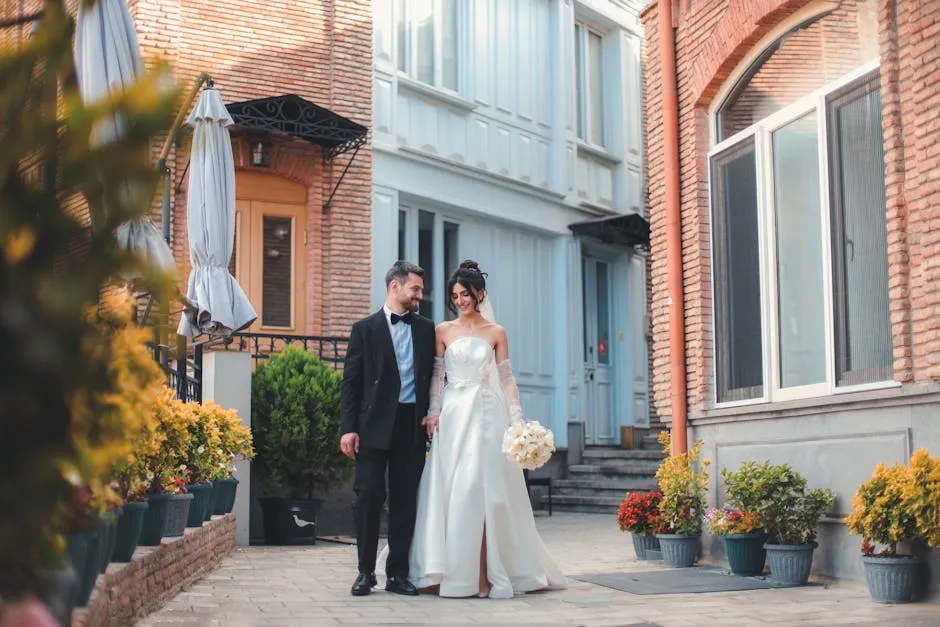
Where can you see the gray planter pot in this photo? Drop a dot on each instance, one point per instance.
(644, 542)
(678, 551)
(790, 564)
(892, 579)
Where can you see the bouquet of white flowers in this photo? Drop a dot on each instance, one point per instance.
(529, 444)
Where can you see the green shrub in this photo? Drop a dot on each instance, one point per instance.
(777, 495)
(295, 417)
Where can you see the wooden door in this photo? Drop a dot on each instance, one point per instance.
(270, 252)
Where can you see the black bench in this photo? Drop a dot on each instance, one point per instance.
(546, 481)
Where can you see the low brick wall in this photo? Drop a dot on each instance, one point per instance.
(128, 592)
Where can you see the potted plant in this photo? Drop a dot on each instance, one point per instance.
(167, 499)
(924, 500)
(235, 441)
(744, 538)
(683, 480)
(201, 458)
(749, 490)
(639, 515)
(295, 399)
(885, 513)
(791, 513)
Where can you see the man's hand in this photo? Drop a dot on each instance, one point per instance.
(430, 424)
(349, 445)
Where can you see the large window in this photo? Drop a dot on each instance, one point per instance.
(427, 40)
(589, 68)
(799, 238)
(432, 241)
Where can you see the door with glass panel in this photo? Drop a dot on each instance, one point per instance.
(598, 362)
(430, 239)
(270, 265)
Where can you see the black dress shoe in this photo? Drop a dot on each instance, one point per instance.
(364, 584)
(400, 585)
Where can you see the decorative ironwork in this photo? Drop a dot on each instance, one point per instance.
(296, 116)
(260, 346)
(623, 230)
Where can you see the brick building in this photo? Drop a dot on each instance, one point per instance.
(291, 247)
(311, 65)
(808, 177)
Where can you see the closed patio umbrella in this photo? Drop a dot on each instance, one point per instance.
(221, 306)
(107, 60)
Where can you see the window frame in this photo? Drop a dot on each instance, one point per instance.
(584, 100)
(762, 132)
(407, 67)
(438, 270)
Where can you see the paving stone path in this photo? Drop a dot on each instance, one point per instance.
(275, 587)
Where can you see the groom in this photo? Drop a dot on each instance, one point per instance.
(386, 382)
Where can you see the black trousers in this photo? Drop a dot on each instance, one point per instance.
(404, 461)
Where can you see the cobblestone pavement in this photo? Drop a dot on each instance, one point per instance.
(310, 587)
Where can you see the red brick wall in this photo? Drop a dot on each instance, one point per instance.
(128, 592)
(321, 51)
(711, 39)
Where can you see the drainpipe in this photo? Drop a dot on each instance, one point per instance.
(670, 109)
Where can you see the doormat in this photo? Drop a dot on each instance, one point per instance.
(678, 581)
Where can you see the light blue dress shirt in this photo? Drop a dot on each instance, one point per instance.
(404, 353)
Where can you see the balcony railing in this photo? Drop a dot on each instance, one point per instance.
(331, 349)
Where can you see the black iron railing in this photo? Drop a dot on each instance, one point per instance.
(261, 346)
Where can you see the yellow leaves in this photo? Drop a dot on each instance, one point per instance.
(683, 480)
(899, 502)
(18, 245)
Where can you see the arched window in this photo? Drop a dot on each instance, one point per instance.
(799, 239)
(806, 58)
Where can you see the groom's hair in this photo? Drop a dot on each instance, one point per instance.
(400, 271)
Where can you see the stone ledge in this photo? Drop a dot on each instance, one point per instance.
(128, 592)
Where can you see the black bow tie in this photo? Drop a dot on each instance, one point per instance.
(405, 317)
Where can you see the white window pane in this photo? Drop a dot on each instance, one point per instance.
(596, 89)
(422, 13)
(864, 346)
(800, 308)
(401, 15)
(738, 327)
(449, 20)
(580, 79)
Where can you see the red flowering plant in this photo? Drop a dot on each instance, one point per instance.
(729, 522)
(639, 513)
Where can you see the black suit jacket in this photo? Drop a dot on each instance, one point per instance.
(371, 382)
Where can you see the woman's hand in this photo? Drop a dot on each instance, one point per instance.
(430, 424)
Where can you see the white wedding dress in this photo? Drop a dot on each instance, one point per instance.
(470, 485)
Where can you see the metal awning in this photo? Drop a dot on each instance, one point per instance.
(293, 115)
(623, 230)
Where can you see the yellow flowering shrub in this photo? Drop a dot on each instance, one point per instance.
(899, 502)
(235, 440)
(880, 513)
(923, 496)
(165, 466)
(683, 480)
(106, 427)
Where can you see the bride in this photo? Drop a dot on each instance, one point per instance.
(475, 533)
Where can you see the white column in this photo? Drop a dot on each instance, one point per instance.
(226, 381)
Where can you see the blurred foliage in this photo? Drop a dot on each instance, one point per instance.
(61, 427)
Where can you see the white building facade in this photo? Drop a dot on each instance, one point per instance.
(510, 132)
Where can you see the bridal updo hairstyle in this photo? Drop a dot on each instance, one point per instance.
(471, 278)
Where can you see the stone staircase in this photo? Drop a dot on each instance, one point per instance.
(601, 481)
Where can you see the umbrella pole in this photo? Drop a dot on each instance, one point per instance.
(168, 144)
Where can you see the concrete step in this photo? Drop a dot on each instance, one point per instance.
(640, 468)
(589, 504)
(619, 453)
(605, 486)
